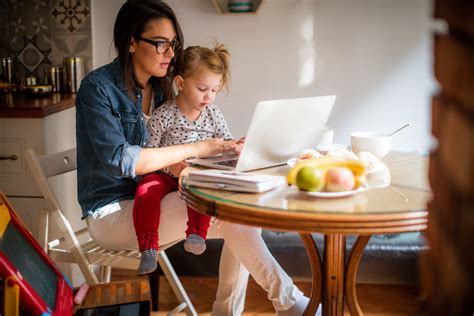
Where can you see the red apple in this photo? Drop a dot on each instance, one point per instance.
(339, 179)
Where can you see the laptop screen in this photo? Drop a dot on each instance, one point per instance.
(281, 129)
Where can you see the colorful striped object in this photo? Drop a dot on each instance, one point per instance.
(240, 6)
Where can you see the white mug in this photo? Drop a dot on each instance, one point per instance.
(326, 139)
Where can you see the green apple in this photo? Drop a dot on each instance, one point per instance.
(310, 179)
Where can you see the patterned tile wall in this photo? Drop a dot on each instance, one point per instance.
(40, 33)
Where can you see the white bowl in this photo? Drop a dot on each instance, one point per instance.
(376, 143)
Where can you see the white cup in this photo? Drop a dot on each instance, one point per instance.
(326, 139)
(376, 143)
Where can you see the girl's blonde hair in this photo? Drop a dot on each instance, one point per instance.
(216, 60)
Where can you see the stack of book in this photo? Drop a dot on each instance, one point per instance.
(234, 181)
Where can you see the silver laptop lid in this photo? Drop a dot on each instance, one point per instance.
(281, 129)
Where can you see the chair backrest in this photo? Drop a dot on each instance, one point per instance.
(46, 166)
(59, 163)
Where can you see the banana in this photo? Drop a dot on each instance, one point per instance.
(360, 181)
(325, 163)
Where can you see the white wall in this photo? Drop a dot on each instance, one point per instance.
(375, 55)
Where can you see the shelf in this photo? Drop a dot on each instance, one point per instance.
(222, 7)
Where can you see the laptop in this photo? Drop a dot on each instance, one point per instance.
(279, 130)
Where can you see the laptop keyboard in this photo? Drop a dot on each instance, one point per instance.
(227, 163)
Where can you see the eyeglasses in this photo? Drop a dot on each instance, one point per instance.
(161, 46)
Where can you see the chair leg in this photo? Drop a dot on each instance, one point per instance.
(175, 283)
(43, 229)
(154, 280)
(105, 273)
(88, 273)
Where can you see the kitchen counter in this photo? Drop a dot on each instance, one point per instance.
(19, 105)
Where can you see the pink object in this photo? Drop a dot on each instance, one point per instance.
(81, 293)
(339, 179)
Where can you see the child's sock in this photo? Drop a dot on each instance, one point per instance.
(195, 244)
(147, 262)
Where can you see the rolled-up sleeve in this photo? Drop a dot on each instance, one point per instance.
(105, 132)
(129, 160)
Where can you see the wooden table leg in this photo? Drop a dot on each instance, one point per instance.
(315, 263)
(333, 274)
(351, 273)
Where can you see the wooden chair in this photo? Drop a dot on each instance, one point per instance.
(78, 246)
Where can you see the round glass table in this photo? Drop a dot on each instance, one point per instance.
(396, 208)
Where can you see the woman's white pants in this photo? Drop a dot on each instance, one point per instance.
(244, 251)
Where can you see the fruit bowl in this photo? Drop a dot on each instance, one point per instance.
(328, 177)
(334, 194)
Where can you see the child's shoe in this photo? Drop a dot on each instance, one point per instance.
(148, 262)
(195, 244)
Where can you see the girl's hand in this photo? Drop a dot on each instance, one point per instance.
(239, 145)
(215, 146)
(176, 169)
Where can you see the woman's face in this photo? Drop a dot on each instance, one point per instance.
(146, 60)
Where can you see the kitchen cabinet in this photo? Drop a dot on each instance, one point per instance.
(46, 125)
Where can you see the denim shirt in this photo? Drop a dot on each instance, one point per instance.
(110, 133)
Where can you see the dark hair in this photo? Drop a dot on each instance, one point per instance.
(130, 22)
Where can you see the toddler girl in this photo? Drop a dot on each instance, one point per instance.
(190, 117)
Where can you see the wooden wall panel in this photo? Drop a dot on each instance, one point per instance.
(447, 269)
(458, 13)
(454, 69)
(456, 146)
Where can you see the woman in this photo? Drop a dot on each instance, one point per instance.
(112, 106)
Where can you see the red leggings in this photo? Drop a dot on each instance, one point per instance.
(146, 210)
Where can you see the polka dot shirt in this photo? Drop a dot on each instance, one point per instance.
(168, 126)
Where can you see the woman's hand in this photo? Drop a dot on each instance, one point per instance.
(215, 146)
(152, 159)
(176, 169)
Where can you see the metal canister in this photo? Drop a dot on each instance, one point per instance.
(6, 70)
(74, 72)
(53, 76)
(28, 81)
